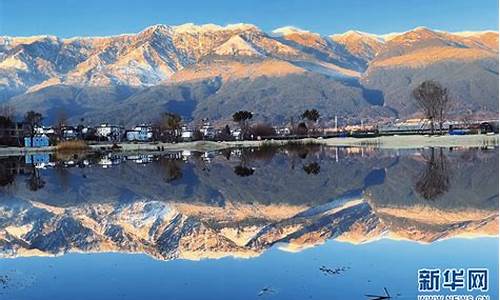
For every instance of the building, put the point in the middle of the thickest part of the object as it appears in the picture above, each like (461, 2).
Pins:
(38, 141)
(208, 130)
(236, 134)
(110, 132)
(140, 133)
(69, 133)
(186, 133)
(282, 130)
(44, 130)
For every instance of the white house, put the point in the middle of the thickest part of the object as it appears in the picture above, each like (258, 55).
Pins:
(69, 133)
(141, 133)
(208, 130)
(44, 130)
(110, 132)
(236, 133)
(186, 133)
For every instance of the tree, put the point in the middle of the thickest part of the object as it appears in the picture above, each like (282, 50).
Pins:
(312, 168)
(61, 121)
(7, 112)
(225, 133)
(243, 171)
(31, 121)
(262, 130)
(241, 117)
(169, 124)
(433, 99)
(301, 129)
(7, 124)
(312, 116)
(35, 181)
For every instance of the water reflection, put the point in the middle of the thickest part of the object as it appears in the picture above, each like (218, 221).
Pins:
(240, 202)
(435, 179)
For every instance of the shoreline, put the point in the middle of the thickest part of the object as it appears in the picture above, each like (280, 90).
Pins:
(383, 142)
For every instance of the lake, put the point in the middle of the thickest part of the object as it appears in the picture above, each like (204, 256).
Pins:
(297, 222)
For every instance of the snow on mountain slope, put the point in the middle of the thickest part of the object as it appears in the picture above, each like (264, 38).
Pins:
(237, 46)
(156, 53)
(161, 54)
(360, 44)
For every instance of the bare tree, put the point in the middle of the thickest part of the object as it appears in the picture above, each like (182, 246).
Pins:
(169, 125)
(7, 111)
(61, 121)
(433, 99)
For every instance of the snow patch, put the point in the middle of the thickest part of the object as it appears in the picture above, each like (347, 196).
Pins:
(237, 46)
(193, 28)
(287, 30)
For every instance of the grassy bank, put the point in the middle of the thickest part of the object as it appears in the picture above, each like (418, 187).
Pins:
(72, 146)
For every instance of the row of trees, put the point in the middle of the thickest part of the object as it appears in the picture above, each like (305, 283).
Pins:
(310, 117)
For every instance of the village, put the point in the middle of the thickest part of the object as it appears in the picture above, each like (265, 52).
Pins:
(30, 133)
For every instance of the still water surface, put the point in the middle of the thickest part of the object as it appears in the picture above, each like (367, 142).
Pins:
(295, 223)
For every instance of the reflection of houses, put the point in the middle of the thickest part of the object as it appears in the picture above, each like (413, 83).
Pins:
(141, 158)
(109, 132)
(141, 133)
(39, 160)
(37, 141)
(109, 160)
(186, 154)
(207, 156)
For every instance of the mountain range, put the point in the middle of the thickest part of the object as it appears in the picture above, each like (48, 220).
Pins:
(211, 71)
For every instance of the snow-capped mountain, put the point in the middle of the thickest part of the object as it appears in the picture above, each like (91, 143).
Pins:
(162, 55)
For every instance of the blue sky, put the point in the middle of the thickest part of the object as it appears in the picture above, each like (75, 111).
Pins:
(67, 18)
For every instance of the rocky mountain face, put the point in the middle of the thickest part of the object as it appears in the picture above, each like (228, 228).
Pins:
(241, 67)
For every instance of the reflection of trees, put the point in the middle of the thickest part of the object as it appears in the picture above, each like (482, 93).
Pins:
(243, 171)
(312, 168)
(172, 168)
(62, 175)
(7, 171)
(298, 151)
(35, 181)
(434, 180)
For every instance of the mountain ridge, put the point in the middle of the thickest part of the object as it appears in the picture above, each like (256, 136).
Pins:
(160, 53)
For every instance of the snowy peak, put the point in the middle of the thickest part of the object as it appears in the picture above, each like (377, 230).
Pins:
(192, 28)
(356, 34)
(362, 45)
(237, 46)
(154, 54)
(288, 30)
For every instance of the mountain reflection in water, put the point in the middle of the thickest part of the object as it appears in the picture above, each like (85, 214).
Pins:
(241, 202)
